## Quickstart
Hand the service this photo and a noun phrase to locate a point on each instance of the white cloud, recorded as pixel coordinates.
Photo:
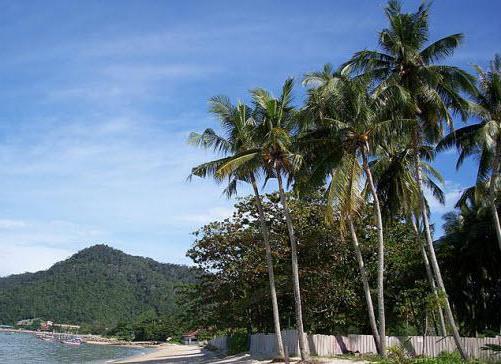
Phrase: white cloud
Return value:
(208, 215)
(7, 224)
(452, 192)
(54, 233)
(19, 259)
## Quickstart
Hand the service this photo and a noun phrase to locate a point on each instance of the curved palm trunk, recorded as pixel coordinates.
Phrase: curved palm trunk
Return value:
(303, 344)
(380, 271)
(434, 262)
(365, 283)
(271, 274)
(431, 280)
(492, 192)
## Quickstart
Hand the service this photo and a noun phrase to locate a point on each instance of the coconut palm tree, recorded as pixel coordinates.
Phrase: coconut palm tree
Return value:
(405, 75)
(345, 201)
(238, 124)
(483, 140)
(399, 193)
(355, 117)
(275, 152)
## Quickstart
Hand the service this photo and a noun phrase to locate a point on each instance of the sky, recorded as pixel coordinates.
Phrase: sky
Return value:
(98, 98)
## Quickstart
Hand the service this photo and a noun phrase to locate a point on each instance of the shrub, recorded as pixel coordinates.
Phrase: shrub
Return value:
(238, 343)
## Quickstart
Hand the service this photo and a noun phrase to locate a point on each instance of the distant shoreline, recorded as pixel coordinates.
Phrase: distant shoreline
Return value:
(96, 339)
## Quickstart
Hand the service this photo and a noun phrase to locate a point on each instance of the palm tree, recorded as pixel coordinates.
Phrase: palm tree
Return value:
(405, 75)
(483, 139)
(399, 193)
(277, 122)
(345, 196)
(239, 126)
(355, 116)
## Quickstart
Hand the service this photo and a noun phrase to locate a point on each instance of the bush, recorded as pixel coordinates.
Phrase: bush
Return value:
(238, 343)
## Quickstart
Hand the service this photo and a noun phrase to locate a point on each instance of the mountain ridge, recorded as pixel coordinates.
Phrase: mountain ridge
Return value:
(98, 285)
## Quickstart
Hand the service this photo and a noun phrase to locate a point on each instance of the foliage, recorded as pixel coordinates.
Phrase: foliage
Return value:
(150, 327)
(233, 292)
(470, 261)
(492, 347)
(99, 286)
(238, 343)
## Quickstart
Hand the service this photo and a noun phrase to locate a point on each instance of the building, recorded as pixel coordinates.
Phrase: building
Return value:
(190, 338)
(46, 325)
(28, 322)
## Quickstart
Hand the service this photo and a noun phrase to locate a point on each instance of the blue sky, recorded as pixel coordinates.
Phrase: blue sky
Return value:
(98, 98)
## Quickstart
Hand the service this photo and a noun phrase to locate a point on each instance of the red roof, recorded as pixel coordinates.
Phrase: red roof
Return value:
(192, 333)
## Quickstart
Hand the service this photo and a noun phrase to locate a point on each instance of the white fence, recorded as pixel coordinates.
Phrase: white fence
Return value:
(263, 345)
(220, 342)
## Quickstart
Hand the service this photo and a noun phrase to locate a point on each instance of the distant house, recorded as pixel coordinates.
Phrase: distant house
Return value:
(190, 338)
(27, 322)
(46, 325)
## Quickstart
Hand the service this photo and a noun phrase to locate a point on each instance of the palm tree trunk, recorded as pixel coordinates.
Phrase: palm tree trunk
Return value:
(303, 344)
(365, 283)
(492, 192)
(271, 274)
(434, 262)
(380, 270)
(431, 280)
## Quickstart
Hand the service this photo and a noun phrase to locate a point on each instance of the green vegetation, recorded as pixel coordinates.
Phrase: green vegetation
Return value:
(365, 137)
(233, 292)
(98, 288)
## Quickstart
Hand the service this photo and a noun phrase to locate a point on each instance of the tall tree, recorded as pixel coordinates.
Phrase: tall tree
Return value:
(483, 140)
(404, 73)
(399, 193)
(275, 151)
(345, 201)
(239, 125)
(355, 117)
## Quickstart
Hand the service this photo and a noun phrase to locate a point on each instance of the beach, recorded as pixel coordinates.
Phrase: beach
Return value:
(186, 354)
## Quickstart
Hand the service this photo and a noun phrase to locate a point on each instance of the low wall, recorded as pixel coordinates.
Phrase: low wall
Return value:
(263, 345)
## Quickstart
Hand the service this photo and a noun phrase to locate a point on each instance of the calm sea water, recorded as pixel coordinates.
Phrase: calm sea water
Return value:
(27, 349)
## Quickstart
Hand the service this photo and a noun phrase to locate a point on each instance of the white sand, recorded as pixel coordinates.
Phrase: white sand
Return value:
(185, 354)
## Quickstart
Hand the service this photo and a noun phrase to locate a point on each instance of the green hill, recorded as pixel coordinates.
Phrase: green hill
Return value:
(99, 286)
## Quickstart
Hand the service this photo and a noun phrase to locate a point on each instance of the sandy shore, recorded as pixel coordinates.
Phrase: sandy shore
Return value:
(184, 354)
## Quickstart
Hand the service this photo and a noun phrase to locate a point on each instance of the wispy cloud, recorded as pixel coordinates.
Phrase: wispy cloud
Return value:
(452, 192)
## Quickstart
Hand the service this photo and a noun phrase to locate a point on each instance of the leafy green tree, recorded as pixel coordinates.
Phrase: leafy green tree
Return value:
(471, 262)
(483, 140)
(232, 293)
(239, 125)
(406, 76)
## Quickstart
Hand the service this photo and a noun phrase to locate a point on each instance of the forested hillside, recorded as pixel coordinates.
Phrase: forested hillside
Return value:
(98, 286)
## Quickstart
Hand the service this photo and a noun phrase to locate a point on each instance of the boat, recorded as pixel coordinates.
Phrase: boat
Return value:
(46, 336)
(71, 340)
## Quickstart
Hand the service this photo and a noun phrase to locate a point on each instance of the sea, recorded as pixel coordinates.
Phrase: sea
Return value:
(25, 348)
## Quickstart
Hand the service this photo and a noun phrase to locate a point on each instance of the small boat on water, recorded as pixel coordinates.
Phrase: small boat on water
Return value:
(61, 338)
(73, 342)
(70, 340)
(46, 336)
